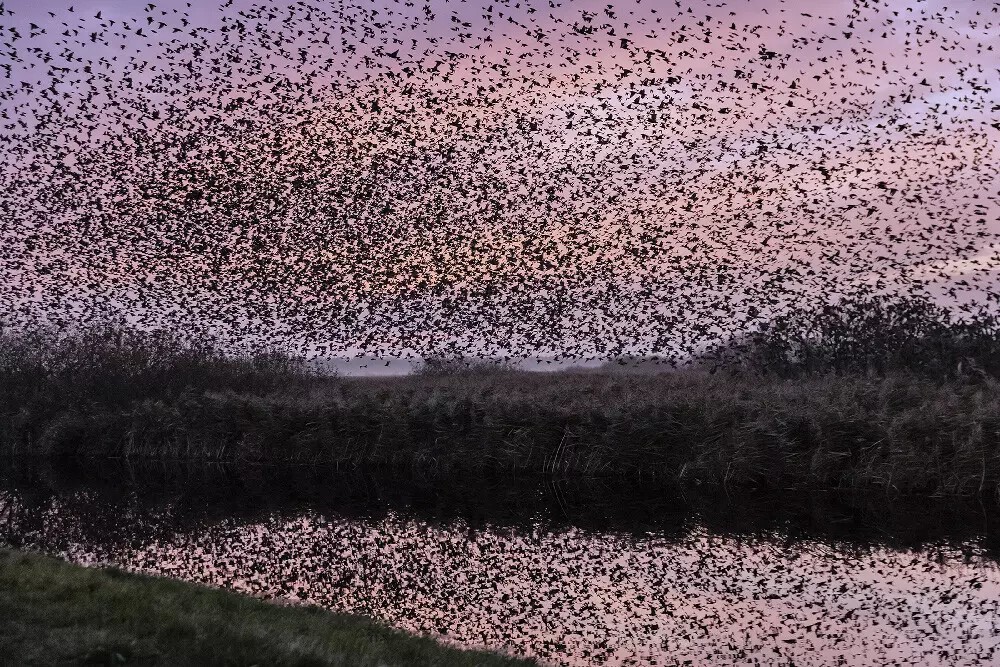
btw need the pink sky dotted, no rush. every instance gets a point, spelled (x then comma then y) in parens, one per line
(541, 189)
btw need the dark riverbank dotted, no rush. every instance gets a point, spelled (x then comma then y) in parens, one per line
(133, 396)
(897, 433)
(161, 498)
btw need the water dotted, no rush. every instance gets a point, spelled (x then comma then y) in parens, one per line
(569, 574)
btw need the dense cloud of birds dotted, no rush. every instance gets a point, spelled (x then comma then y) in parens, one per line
(505, 177)
(569, 596)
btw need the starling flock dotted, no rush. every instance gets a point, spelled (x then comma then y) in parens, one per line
(503, 178)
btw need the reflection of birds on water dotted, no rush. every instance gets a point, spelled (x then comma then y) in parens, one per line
(741, 597)
(517, 178)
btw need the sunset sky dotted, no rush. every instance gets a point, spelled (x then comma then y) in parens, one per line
(493, 177)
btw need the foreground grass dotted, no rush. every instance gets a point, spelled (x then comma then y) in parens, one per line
(55, 613)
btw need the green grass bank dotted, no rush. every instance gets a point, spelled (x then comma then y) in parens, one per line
(56, 613)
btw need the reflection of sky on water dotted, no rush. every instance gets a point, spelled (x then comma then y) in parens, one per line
(575, 597)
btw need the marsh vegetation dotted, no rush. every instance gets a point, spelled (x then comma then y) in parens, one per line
(877, 394)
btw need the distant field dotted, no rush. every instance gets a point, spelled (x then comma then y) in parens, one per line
(57, 613)
(395, 366)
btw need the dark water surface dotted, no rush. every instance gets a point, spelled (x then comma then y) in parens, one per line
(572, 574)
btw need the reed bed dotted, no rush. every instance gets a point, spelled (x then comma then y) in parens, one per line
(897, 431)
